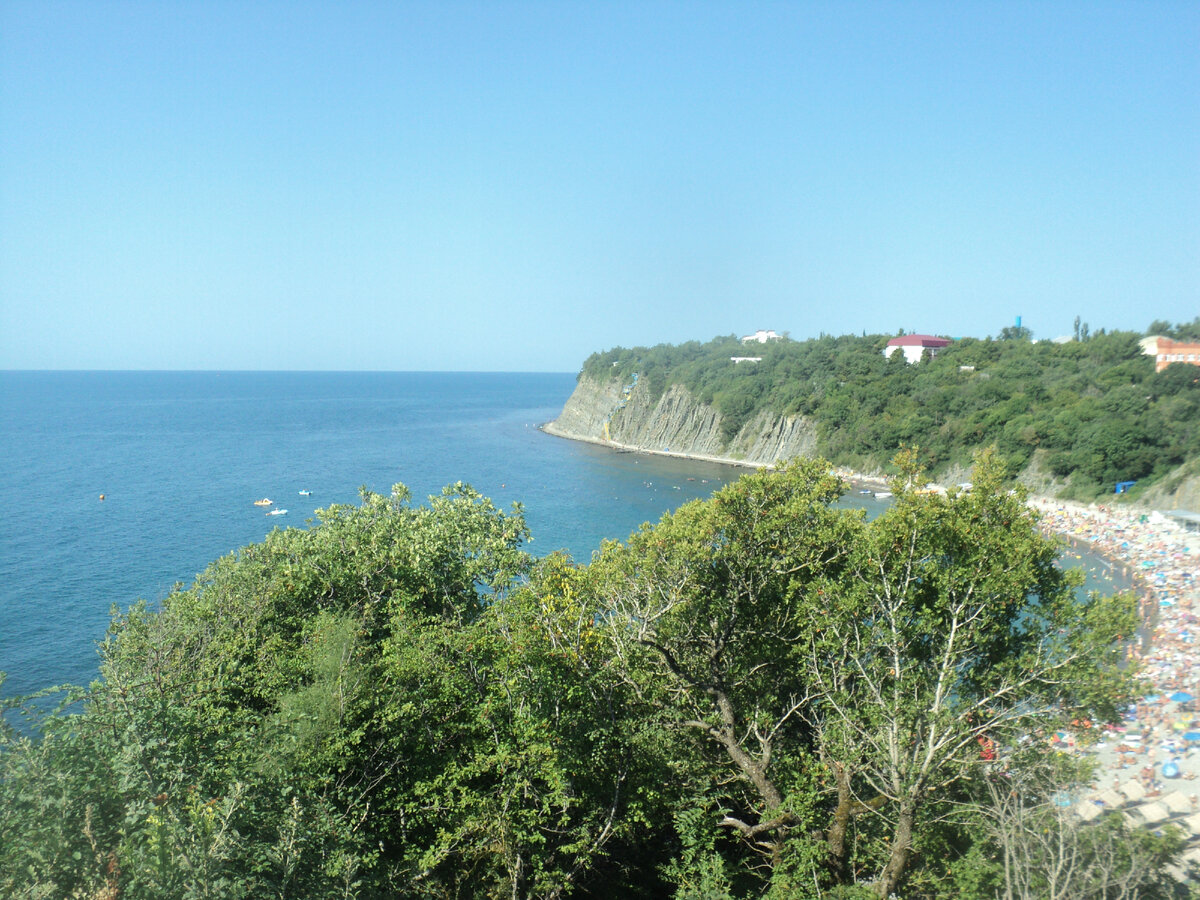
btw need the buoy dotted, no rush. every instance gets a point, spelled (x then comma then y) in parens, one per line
(101, 496)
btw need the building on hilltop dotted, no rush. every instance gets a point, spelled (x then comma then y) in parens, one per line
(762, 337)
(914, 345)
(1166, 351)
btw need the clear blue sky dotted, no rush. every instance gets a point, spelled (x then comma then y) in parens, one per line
(511, 186)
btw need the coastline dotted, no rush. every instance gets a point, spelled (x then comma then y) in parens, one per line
(1120, 537)
(1116, 536)
(548, 428)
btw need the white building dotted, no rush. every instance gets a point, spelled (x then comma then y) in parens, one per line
(762, 337)
(915, 345)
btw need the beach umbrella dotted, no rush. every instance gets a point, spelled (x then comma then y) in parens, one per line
(1192, 823)
(1088, 811)
(1178, 803)
(1153, 812)
(1133, 791)
(1062, 799)
(1192, 736)
(1170, 770)
(1111, 799)
(1182, 697)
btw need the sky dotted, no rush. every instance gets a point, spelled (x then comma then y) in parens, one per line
(511, 186)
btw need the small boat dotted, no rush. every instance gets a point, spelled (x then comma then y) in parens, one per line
(306, 493)
(865, 491)
(277, 512)
(265, 501)
(882, 495)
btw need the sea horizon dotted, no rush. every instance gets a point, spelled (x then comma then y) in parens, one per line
(297, 371)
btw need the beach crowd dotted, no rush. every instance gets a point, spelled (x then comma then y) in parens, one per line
(1147, 766)
(1163, 562)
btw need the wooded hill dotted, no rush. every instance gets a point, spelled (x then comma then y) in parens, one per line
(1090, 411)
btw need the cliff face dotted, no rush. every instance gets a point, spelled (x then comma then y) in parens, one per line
(676, 423)
(1179, 490)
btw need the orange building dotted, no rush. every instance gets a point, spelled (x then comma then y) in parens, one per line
(1169, 351)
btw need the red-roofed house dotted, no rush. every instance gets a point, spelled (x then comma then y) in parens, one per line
(913, 345)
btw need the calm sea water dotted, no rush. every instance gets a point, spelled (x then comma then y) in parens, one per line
(180, 458)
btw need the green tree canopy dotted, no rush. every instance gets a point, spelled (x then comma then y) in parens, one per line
(1092, 411)
(762, 694)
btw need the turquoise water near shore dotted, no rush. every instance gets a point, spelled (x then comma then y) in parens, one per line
(181, 456)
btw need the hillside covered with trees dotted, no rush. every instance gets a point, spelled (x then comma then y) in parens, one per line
(762, 695)
(1089, 412)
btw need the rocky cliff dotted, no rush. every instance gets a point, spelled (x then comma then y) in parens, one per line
(625, 415)
(1180, 490)
(677, 423)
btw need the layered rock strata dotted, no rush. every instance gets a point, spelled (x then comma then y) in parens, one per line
(626, 416)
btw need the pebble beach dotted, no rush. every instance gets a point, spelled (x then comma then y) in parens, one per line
(1149, 766)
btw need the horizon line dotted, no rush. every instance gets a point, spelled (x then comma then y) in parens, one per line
(82, 371)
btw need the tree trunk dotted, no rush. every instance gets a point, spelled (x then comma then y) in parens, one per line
(901, 851)
(836, 836)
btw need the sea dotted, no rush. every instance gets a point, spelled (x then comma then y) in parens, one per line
(118, 486)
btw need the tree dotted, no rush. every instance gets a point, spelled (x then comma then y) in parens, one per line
(836, 676)
(953, 626)
(761, 695)
(371, 707)
(703, 614)
(1159, 327)
(249, 738)
(1047, 851)
(1181, 331)
(862, 405)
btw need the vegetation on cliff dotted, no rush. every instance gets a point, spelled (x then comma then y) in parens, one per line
(761, 695)
(1093, 409)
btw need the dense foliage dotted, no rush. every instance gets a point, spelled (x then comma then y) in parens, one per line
(1093, 410)
(761, 695)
